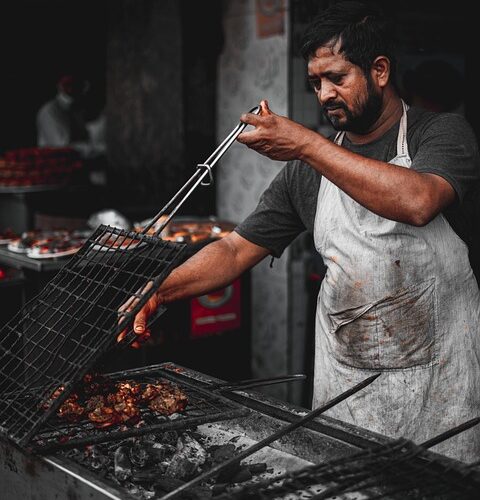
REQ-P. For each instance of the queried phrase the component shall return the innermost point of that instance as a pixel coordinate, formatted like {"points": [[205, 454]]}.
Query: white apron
{"points": [[401, 300]]}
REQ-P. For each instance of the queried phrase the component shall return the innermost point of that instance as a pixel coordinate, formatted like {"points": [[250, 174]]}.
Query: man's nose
{"points": [[326, 93]]}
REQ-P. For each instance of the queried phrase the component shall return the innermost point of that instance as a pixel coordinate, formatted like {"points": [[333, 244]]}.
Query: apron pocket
{"points": [[395, 332]]}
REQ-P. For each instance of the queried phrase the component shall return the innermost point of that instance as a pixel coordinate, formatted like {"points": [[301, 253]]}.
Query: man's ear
{"points": [[380, 71]]}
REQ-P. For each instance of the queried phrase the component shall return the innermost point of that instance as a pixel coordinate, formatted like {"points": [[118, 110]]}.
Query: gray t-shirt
{"points": [[442, 144]]}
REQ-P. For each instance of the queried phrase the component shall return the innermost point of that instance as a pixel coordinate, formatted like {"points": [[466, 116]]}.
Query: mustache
{"points": [[333, 105]]}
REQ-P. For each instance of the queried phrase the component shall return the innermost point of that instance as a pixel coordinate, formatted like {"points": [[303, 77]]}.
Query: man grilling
{"points": [[384, 199]]}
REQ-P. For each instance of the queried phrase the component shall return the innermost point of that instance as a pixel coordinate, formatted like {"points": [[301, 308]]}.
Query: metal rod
{"points": [[256, 382], [270, 439], [197, 177], [450, 433]]}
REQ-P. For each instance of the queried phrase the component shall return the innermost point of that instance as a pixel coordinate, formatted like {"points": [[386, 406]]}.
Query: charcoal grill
{"points": [[322, 441], [400, 469], [57, 337]]}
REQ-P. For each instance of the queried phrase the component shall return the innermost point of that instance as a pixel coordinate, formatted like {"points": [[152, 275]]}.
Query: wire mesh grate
{"points": [[57, 337], [399, 470], [202, 407]]}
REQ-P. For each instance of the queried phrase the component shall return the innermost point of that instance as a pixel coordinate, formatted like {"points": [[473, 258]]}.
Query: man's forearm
{"points": [[391, 191], [213, 267]]}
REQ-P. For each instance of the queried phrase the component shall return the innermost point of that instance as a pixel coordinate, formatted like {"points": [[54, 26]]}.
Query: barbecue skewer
{"points": [[255, 382], [270, 439], [425, 445], [354, 477]]}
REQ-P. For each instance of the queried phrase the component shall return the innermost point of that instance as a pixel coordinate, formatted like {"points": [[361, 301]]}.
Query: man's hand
{"points": [[274, 136], [141, 319]]}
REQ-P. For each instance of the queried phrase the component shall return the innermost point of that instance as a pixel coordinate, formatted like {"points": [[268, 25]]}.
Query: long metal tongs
{"points": [[270, 439], [203, 170]]}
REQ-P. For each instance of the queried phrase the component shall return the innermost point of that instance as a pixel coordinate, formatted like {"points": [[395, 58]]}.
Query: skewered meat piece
{"points": [[71, 410], [171, 399], [95, 402], [95, 384]]}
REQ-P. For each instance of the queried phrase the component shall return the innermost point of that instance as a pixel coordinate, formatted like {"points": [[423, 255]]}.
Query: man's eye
{"points": [[315, 84], [336, 80]]}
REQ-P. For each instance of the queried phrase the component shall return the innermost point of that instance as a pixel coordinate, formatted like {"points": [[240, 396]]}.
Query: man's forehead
{"points": [[327, 58]]}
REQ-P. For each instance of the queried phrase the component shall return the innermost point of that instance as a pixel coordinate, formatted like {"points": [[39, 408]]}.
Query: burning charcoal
{"points": [[145, 476], [226, 475], [166, 484], [186, 461], [257, 468], [122, 464], [218, 488], [242, 475], [98, 460], [170, 437], [223, 452], [160, 451], [139, 455]]}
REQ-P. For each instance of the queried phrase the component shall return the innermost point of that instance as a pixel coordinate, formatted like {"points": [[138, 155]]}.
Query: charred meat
{"points": [[105, 403]]}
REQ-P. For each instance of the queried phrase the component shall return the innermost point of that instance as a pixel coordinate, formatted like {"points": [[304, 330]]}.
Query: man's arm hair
{"points": [[213, 267]]}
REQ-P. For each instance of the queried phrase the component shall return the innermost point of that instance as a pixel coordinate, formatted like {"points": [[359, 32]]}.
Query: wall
{"points": [[251, 69], [145, 101]]}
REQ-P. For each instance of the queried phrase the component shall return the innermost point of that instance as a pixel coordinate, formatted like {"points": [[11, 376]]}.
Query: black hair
{"points": [[364, 31]]}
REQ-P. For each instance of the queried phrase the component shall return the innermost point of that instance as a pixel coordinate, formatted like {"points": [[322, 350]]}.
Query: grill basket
{"points": [[59, 335]]}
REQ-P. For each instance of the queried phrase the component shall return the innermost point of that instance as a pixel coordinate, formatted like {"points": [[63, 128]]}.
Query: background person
{"points": [[63, 120]]}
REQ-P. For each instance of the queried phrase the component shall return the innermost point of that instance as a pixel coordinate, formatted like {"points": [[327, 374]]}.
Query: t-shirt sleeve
{"points": [[448, 148], [276, 221]]}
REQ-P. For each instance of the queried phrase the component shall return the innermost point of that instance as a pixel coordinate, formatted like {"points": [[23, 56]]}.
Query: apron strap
{"points": [[402, 147], [339, 138]]}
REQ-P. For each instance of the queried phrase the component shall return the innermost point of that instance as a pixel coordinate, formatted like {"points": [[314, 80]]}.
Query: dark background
{"points": [[152, 64]]}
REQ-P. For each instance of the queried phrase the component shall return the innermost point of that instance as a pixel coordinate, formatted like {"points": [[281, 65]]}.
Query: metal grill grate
{"points": [[203, 407], [57, 337], [400, 470]]}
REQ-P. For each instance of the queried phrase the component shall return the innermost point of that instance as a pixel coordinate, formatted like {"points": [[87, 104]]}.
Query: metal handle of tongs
{"points": [[203, 170]]}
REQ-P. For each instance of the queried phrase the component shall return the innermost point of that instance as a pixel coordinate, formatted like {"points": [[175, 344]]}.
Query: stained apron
{"points": [[403, 301]]}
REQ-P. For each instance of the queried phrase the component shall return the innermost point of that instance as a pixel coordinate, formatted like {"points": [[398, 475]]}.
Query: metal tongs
{"points": [[203, 170]]}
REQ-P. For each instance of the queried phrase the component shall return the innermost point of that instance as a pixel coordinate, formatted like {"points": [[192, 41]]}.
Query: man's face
{"points": [[348, 98]]}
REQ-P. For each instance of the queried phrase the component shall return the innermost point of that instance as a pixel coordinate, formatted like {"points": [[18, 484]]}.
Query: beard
{"points": [[362, 118]]}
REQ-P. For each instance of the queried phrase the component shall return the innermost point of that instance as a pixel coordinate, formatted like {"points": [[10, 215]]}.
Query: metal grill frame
{"points": [[225, 409], [108, 250], [387, 471]]}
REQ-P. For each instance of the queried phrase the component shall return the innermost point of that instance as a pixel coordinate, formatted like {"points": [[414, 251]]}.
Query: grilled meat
{"points": [[105, 403], [171, 399]]}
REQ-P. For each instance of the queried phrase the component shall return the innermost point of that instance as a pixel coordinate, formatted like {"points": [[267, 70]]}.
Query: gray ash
{"points": [[151, 465]]}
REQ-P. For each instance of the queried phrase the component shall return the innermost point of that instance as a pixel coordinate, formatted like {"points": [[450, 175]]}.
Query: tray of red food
{"points": [[7, 236]]}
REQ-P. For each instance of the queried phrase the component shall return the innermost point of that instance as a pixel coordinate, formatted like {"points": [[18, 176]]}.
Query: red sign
{"points": [[216, 312], [270, 18]]}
